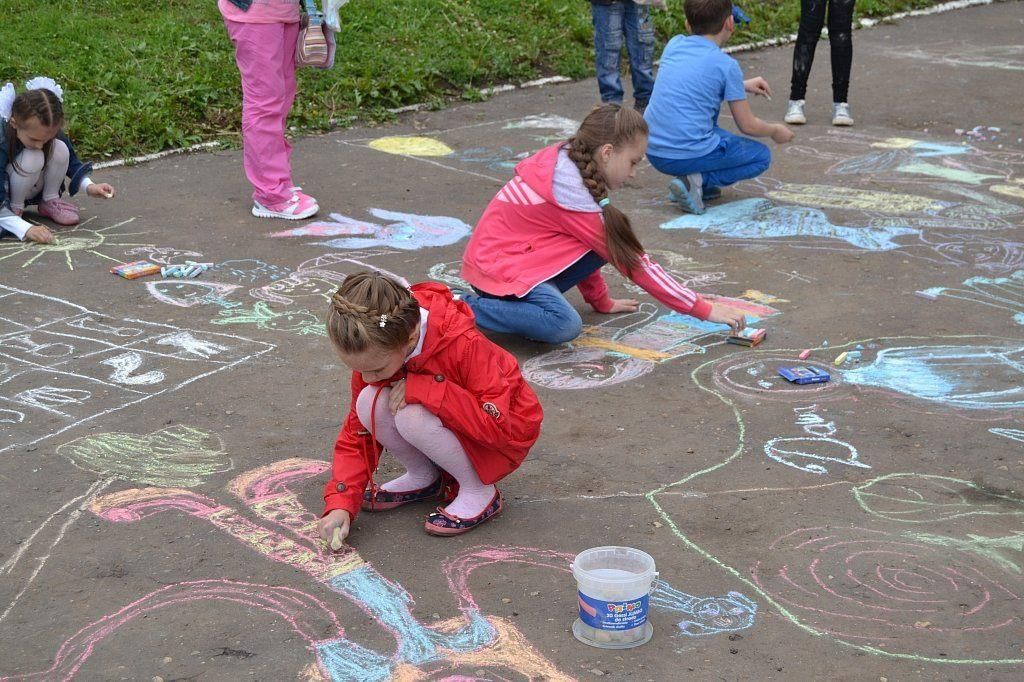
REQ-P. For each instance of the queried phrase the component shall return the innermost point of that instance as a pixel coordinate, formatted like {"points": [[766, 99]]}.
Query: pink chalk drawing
{"points": [[285, 533], [874, 586], [406, 231]]}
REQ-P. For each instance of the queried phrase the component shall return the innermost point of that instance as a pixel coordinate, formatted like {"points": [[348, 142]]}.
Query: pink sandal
{"points": [[442, 523]]}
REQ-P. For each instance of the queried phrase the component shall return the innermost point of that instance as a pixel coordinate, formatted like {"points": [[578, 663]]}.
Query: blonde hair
{"points": [[614, 125], [371, 310]]}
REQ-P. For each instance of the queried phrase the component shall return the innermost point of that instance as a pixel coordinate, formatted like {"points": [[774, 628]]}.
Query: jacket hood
{"points": [[448, 318], [538, 171]]}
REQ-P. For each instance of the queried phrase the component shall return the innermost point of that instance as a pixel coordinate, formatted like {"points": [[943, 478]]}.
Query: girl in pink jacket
{"points": [[553, 227]]}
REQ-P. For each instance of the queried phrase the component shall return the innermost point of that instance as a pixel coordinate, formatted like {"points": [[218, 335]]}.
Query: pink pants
{"points": [[265, 54]]}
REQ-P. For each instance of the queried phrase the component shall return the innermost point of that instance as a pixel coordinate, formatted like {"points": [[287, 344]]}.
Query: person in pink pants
{"points": [[264, 33]]}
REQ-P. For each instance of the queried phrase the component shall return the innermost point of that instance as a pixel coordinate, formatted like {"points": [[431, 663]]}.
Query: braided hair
{"points": [[371, 310], [614, 125], [39, 103]]}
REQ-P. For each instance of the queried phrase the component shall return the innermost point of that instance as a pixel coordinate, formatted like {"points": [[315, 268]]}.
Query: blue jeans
{"points": [[612, 22], [735, 158], [543, 314]]}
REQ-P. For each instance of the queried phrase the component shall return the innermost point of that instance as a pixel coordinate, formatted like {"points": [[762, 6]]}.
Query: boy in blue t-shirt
{"points": [[694, 77]]}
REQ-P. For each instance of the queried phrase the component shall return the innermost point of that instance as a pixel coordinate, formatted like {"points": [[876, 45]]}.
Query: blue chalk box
{"points": [[804, 375]]}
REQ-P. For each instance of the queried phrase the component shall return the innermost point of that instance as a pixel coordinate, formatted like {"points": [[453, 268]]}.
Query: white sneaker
{"points": [[841, 114], [299, 206], [795, 112]]}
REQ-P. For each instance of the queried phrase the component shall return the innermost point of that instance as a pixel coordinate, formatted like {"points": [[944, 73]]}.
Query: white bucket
{"points": [[614, 586]]}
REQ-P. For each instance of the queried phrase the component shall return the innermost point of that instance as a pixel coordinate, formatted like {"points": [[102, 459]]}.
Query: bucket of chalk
{"points": [[614, 585]]}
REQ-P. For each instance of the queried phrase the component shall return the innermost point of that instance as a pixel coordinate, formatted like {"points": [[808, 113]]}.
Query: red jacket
{"points": [[471, 384], [526, 237]]}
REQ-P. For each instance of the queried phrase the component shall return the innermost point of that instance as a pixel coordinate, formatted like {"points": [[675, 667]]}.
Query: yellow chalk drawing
{"points": [[1009, 190], [946, 173], [830, 196], [758, 296], [411, 146], [895, 143]]}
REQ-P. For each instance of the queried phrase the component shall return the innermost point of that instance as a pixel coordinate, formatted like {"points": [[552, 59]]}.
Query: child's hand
{"points": [[723, 314], [757, 86], [624, 305], [39, 234], [102, 189], [782, 134], [340, 519], [397, 399]]}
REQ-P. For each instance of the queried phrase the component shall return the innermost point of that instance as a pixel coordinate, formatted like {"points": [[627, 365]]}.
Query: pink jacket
{"points": [[525, 238]]}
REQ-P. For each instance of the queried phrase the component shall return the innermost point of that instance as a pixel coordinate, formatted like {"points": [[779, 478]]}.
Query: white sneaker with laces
{"points": [[795, 112], [841, 114]]}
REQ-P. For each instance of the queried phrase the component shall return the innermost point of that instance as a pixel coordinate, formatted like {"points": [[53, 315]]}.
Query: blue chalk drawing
{"points": [[759, 219], [971, 377], [1004, 293], [705, 615], [406, 231], [1012, 434]]}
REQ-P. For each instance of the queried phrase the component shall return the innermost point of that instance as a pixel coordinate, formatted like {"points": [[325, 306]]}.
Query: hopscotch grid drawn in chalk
{"points": [[72, 389]]}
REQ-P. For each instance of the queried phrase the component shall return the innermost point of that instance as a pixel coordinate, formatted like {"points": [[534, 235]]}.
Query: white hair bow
{"points": [[6, 100], [45, 83]]}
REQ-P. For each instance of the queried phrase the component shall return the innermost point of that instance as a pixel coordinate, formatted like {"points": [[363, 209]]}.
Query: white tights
{"points": [[422, 444], [34, 173]]}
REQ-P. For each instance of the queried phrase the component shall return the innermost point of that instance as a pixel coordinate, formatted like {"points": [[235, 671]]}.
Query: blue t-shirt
{"points": [[694, 77]]}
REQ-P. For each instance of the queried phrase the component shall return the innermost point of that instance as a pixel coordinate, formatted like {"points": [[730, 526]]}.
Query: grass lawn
{"points": [[145, 76]]}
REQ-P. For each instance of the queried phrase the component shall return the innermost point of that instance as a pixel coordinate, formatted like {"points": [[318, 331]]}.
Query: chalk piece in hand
{"points": [[336, 542]]}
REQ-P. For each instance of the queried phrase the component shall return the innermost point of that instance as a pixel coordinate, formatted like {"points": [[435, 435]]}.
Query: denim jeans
{"points": [[735, 158], [543, 314], [612, 22]]}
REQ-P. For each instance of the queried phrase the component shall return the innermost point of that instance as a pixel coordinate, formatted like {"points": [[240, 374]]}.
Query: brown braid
{"points": [[609, 124], [41, 104], [371, 310]]}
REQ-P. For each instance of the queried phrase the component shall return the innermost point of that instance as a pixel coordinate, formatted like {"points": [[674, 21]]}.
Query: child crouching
{"points": [[436, 393]]}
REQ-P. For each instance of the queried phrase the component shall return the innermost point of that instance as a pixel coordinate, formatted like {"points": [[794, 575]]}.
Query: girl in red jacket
{"points": [[429, 387], [553, 227]]}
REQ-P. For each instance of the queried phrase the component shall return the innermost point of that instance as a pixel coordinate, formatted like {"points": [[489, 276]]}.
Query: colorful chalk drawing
{"points": [[180, 456], [850, 198], [411, 146], [312, 283], [760, 219], [62, 365], [564, 127], [406, 231], [925, 568], [78, 239], [1003, 293], [285, 533], [630, 346]]}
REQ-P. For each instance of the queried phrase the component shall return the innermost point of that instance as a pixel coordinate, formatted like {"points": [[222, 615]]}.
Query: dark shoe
{"points": [[442, 523], [712, 193], [383, 500]]}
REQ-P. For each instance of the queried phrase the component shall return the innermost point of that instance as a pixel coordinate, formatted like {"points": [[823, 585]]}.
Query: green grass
{"points": [[145, 76]]}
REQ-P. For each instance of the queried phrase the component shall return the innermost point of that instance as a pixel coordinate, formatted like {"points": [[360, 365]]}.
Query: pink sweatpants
{"points": [[422, 444], [265, 55]]}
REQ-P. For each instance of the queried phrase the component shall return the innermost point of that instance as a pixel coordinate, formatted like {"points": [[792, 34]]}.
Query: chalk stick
{"points": [[803, 354], [926, 294], [839, 359], [336, 542]]}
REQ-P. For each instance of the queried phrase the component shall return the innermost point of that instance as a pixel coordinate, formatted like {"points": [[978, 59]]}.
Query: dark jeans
{"points": [[735, 158], [840, 28], [612, 22], [543, 314]]}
